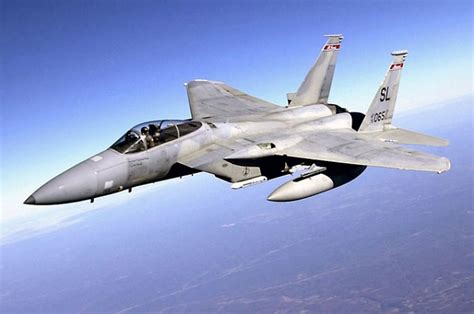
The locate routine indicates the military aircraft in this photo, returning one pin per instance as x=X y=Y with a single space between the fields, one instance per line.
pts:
x=245 y=140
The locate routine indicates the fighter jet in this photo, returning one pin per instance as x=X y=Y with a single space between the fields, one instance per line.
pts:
x=245 y=141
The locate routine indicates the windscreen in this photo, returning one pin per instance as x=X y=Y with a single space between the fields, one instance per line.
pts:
x=131 y=142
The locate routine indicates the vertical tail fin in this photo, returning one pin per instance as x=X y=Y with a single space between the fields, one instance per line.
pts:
x=317 y=84
x=381 y=110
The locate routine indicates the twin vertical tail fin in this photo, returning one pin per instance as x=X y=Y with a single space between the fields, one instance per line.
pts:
x=378 y=120
x=317 y=83
x=383 y=105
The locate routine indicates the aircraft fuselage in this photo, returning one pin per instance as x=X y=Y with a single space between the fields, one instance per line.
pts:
x=111 y=171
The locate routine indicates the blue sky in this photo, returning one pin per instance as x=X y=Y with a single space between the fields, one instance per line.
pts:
x=77 y=74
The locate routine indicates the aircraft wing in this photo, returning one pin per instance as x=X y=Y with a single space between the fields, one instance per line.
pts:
x=338 y=146
x=350 y=147
x=215 y=101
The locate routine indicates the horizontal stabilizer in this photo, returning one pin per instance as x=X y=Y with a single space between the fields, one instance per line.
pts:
x=402 y=136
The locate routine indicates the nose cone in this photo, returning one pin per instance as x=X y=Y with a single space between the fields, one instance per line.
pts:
x=76 y=184
x=30 y=200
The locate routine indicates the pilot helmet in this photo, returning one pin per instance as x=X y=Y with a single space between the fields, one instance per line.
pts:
x=153 y=129
x=144 y=130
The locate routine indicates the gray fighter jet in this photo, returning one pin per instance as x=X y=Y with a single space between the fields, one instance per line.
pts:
x=245 y=140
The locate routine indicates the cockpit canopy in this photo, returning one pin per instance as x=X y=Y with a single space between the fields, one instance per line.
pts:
x=152 y=134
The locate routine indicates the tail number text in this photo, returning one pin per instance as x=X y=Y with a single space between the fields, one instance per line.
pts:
x=378 y=116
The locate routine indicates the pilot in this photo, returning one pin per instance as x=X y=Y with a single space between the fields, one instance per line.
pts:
x=155 y=133
x=130 y=137
x=148 y=138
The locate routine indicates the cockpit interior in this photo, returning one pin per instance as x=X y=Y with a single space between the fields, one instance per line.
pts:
x=151 y=134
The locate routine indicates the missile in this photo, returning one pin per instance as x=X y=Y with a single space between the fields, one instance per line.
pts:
x=301 y=188
x=249 y=182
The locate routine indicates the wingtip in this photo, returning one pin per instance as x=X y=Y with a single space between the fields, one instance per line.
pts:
x=444 y=143
x=447 y=165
